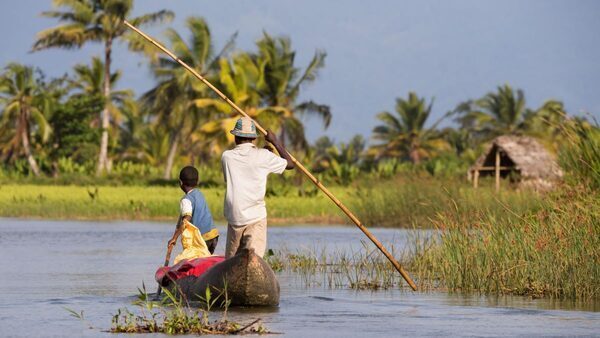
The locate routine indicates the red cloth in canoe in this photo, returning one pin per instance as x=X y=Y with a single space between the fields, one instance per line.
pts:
x=193 y=267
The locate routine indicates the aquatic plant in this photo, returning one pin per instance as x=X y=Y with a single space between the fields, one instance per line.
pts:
x=551 y=252
x=175 y=316
x=362 y=269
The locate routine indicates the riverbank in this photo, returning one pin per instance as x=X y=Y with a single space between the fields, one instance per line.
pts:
x=401 y=202
x=147 y=203
x=512 y=242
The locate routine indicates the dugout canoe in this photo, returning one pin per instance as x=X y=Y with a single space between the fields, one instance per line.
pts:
x=249 y=280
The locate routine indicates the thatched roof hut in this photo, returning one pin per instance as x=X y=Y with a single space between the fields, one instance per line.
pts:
x=521 y=158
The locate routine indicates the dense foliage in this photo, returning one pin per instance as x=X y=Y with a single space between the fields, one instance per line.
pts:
x=80 y=124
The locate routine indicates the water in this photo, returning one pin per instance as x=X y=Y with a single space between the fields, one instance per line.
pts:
x=96 y=267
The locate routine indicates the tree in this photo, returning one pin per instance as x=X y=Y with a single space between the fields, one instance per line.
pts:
x=95 y=21
x=175 y=98
x=494 y=114
x=405 y=135
x=151 y=146
x=321 y=151
x=342 y=162
x=266 y=85
x=280 y=84
x=547 y=121
x=237 y=80
x=89 y=82
x=73 y=135
x=25 y=112
x=505 y=112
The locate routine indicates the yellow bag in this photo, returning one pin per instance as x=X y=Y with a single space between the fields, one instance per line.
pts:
x=192 y=242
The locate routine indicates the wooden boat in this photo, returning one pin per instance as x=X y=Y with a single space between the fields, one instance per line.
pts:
x=247 y=279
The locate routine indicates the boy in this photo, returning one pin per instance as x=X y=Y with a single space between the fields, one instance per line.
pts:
x=194 y=209
x=245 y=169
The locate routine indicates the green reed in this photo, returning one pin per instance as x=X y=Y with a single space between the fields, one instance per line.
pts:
x=554 y=251
x=580 y=154
x=551 y=251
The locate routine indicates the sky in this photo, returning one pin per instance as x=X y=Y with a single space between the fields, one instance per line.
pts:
x=376 y=50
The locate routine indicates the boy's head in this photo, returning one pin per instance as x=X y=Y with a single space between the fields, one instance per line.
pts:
x=188 y=178
x=244 y=130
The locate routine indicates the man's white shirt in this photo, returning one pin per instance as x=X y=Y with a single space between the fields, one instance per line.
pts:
x=245 y=169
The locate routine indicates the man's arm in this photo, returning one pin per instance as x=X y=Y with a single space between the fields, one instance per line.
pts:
x=271 y=138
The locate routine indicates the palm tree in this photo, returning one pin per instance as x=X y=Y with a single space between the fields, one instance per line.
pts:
x=150 y=146
x=320 y=152
x=405 y=135
x=237 y=80
x=89 y=81
x=280 y=84
x=25 y=108
x=546 y=121
x=495 y=114
x=175 y=97
x=98 y=21
x=340 y=163
x=506 y=110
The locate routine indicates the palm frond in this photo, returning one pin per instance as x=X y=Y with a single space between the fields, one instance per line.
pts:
x=162 y=16
x=321 y=110
x=311 y=72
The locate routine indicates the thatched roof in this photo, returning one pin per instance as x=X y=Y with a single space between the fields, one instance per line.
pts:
x=529 y=157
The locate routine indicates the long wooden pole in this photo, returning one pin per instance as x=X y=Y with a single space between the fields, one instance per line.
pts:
x=296 y=162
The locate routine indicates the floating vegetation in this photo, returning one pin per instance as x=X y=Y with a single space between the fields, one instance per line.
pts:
x=363 y=269
x=175 y=316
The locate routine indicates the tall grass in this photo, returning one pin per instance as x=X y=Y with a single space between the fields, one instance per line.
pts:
x=405 y=202
x=581 y=154
x=552 y=252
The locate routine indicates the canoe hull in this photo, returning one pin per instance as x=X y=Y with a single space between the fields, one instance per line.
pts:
x=247 y=279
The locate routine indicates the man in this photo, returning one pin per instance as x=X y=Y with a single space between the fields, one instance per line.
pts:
x=245 y=169
x=194 y=209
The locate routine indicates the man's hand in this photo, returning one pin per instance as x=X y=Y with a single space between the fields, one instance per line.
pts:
x=171 y=242
x=271 y=138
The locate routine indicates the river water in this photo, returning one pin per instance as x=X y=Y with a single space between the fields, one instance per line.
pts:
x=96 y=267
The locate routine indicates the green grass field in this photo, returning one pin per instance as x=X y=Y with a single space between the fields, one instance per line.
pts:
x=147 y=203
x=390 y=203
